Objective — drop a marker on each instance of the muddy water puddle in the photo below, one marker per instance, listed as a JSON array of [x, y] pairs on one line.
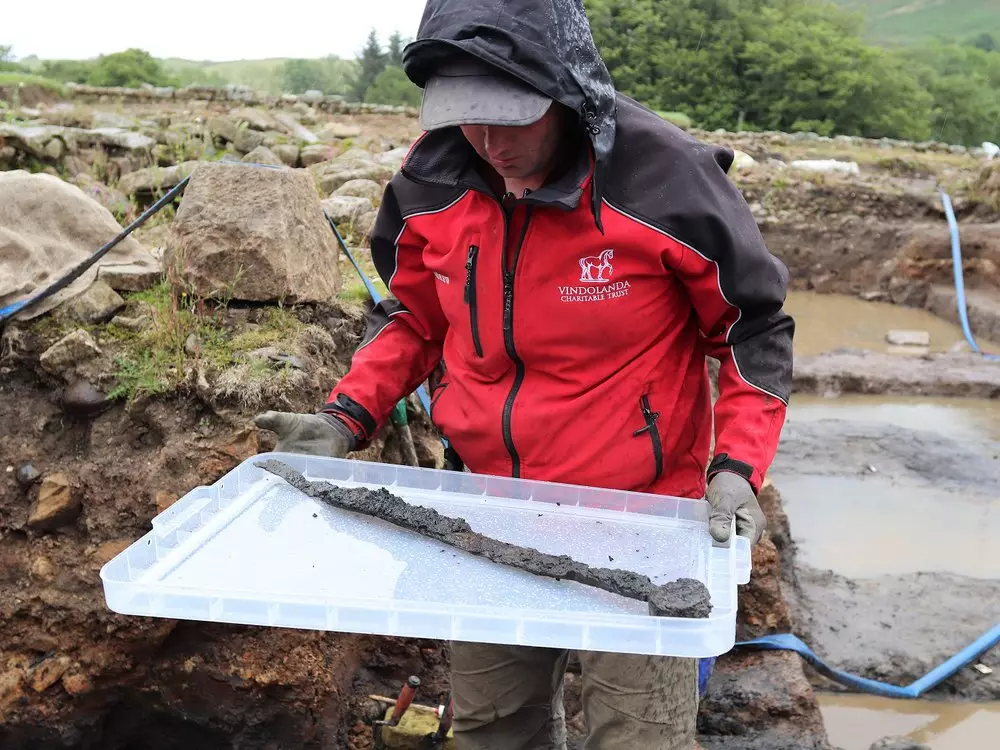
[[824, 322], [890, 486], [854, 722]]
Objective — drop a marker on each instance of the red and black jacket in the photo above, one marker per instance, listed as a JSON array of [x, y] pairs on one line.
[[574, 329]]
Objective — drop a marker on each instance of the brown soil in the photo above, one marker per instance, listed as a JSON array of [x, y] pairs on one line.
[[75, 675], [31, 95]]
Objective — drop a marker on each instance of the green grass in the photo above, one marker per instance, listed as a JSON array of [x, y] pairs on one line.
[[154, 361], [907, 21], [29, 79]]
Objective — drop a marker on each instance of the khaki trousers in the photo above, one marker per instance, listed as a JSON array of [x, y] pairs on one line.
[[510, 698]]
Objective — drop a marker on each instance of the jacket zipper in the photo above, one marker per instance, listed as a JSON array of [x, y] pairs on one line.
[[470, 296], [651, 416], [508, 333]]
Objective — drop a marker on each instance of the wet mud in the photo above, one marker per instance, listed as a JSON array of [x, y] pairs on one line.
[[852, 721], [894, 508], [682, 598]]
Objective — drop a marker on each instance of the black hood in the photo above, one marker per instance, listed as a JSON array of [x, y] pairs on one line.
[[545, 43]]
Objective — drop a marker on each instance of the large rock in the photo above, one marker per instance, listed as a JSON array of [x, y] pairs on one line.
[[338, 130], [75, 354], [155, 180], [224, 128], [247, 140], [131, 278], [257, 119], [332, 174], [257, 234], [364, 223], [263, 155], [111, 120], [287, 152], [345, 209], [48, 227], [317, 153], [362, 189], [56, 504], [394, 158], [289, 124], [98, 303]]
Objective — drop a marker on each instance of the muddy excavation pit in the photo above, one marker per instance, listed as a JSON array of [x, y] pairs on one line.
[[684, 597]]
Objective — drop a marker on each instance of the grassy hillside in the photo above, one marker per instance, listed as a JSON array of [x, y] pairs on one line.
[[903, 21], [259, 74]]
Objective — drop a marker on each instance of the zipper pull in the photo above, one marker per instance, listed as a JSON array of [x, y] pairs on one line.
[[508, 301], [469, 265], [649, 415]]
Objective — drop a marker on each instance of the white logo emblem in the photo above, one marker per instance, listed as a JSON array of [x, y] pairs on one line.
[[597, 269]]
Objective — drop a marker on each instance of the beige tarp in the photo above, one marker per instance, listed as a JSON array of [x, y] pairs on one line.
[[47, 227]]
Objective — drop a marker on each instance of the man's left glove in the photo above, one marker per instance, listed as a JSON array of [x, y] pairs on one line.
[[730, 494]]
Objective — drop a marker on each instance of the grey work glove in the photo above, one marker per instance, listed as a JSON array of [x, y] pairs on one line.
[[315, 434], [730, 494]]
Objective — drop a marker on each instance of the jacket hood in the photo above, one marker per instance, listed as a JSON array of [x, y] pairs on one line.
[[545, 43]]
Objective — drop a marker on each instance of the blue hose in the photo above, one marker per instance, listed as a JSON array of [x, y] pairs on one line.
[[789, 642], [956, 260]]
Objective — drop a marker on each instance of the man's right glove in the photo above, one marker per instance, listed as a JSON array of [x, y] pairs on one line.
[[315, 434]]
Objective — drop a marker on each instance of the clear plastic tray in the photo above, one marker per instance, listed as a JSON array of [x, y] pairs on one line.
[[251, 549]]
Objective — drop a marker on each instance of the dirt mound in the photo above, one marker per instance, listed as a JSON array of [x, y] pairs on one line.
[[30, 95], [74, 674], [988, 185]]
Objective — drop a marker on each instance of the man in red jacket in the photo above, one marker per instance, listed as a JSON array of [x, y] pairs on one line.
[[566, 259]]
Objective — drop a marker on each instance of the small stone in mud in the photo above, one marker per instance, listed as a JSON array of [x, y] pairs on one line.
[[898, 743], [83, 399], [46, 674], [27, 474], [42, 568], [56, 505]]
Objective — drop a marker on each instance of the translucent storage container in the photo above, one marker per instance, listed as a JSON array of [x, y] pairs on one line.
[[253, 550]]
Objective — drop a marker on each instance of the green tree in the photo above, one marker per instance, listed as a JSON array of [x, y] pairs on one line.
[[393, 87], [77, 71], [129, 69], [7, 59], [777, 64], [395, 51], [805, 63], [964, 84], [986, 42], [371, 62], [298, 76]]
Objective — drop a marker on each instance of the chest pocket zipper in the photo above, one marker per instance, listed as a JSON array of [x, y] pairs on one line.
[[651, 418], [470, 296]]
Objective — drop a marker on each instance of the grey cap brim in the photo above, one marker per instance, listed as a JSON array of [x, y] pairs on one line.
[[473, 96]]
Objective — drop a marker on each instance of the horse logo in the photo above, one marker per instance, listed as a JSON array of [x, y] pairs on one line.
[[597, 269]]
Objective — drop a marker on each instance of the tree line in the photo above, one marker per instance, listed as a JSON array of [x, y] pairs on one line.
[[736, 64], [796, 65]]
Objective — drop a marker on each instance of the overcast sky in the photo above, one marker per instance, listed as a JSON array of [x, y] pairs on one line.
[[202, 29]]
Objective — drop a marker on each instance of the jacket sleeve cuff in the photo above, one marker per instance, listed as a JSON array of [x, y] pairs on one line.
[[357, 418], [723, 462]]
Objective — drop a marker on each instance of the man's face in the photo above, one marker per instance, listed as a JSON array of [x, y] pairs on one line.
[[521, 151]]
